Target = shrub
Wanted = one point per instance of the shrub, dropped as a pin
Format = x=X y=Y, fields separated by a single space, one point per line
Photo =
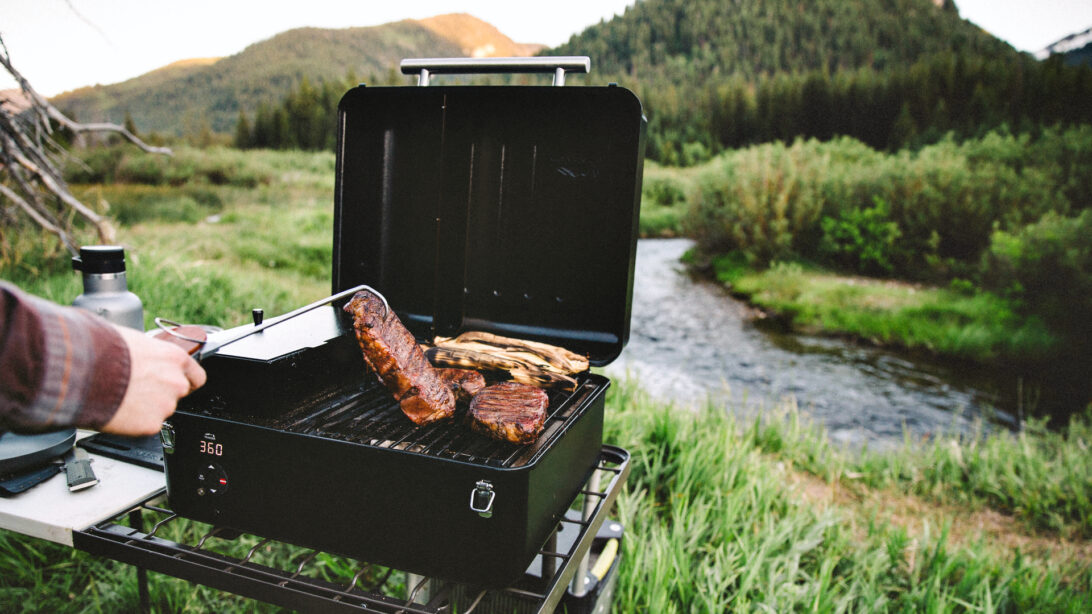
x=693 y=153
x=862 y=239
x=1047 y=267
x=942 y=204
x=757 y=201
x=132 y=204
x=230 y=172
x=663 y=191
x=143 y=169
x=659 y=221
x=96 y=165
x=946 y=205
x=216 y=166
x=1065 y=157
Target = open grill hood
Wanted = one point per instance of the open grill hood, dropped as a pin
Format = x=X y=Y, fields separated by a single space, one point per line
x=505 y=209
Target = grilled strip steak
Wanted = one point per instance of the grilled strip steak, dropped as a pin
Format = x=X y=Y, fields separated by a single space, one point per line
x=464 y=383
x=393 y=354
x=509 y=411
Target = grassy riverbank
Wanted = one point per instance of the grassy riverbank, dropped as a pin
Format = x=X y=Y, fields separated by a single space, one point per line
x=958 y=323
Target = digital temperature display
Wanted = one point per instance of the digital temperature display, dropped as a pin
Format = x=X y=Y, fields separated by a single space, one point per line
x=212 y=448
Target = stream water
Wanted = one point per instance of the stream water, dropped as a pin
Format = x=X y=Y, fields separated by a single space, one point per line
x=690 y=342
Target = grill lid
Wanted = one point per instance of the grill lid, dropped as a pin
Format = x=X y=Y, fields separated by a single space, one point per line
x=507 y=209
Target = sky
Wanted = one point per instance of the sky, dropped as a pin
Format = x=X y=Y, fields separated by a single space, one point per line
x=59 y=45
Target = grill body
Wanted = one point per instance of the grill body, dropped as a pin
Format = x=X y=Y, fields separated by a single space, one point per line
x=334 y=465
x=390 y=507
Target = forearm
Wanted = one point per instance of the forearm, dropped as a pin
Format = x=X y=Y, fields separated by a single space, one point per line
x=59 y=366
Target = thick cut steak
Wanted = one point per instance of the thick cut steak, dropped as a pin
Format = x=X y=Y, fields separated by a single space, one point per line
x=509 y=411
x=465 y=383
x=392 y=352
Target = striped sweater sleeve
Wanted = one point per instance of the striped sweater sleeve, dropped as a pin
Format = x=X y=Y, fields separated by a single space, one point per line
x=59 y=366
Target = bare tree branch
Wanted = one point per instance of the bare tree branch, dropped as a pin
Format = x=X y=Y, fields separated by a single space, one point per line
x=28 y=161
x=37 y=217
x=90 y=23
x=46 y=111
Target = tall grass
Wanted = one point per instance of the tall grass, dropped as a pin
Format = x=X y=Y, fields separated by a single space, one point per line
x=1040 y=476
x=715 y=524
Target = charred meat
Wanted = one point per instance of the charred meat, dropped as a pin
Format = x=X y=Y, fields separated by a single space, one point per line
x=464 y=383
x=393 y=354
x=509 y=411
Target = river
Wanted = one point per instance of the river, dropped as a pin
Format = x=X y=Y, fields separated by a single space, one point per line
x=692 y=343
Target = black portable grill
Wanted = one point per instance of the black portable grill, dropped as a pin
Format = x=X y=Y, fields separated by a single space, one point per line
x=506 y=209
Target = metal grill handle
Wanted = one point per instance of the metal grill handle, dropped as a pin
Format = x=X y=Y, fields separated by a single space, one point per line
x=212 y=345
x=424 y=68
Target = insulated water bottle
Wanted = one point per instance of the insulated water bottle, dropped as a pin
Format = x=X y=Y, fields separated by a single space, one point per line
x=105 y=290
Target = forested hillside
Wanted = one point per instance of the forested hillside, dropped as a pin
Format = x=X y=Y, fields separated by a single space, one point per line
x=190 y=97
x=692 y=41
x=892 y=73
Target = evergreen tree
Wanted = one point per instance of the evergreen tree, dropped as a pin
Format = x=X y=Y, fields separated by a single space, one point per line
x=904 y=130
x=262 y=135
x=243 y=137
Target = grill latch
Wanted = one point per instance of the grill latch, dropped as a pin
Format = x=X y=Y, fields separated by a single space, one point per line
x=481 y=498
x=166 y=436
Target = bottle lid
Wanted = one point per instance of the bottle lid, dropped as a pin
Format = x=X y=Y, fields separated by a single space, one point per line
x=100 y=259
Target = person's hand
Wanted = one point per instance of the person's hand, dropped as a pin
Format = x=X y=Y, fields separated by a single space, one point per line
x=160 y=374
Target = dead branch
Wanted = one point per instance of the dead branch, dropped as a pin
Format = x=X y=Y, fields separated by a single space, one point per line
x=38 y=217
x=30 y=176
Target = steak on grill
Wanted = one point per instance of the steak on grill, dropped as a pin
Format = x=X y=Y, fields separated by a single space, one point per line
x=464 y=383
x=392 y=352
x=509 y=411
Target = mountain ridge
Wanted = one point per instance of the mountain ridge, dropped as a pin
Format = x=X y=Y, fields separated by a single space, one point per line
x=479 y=39
x=1066 y=44
x=190 y=96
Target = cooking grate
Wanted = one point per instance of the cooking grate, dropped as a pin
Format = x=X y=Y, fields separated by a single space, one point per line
x=365 y=413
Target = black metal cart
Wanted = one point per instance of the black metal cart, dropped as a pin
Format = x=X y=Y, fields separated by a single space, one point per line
x=557 y=580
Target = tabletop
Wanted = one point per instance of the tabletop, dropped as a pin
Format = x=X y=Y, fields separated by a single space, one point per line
x=51 y=512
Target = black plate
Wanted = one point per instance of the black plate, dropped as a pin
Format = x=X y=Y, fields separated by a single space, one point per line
x=18 y=452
